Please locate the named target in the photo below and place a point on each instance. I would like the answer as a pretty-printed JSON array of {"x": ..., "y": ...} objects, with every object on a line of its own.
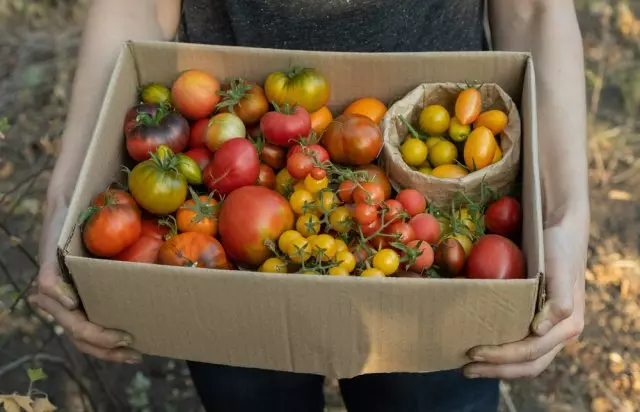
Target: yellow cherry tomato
[
  {"x": 465, "y": 241},
  {"x": 341, "y": 246},
  {"x": 328, "y": 200},
  {"x": 299, "y": 185},
  {"x": 458, "y": 131},
  {"x": 313, "y": 185},
  {"x": 310, "y": 272},
  {"x": 449, "y": 172},
  {"x": 274, "y": 265},
  {"x": 308, "y": 224},
  {"x": 494, "y": 120},
  {"x": 466, "y": 219},
  {"x": 434, "y": 119},
  {"x": 338, "y": 271},
  {"x": 324, "y": 245},
  {"x": 425, "y": 170},
  {"x": 372, "y": 273},
  {"x": 298, "y": 199},
  {"x": 340, "y": 219},
  {"x": 299, "y": 250},
  {"x": 286, "y": 238},
  {"x": 284, "y": 182},
  {"x": 346, "y": 260},
  {"x": 443, "y": 153},
  {"x": 386, "y": 260},
  {"x": 414, "y": 151},
  {"x": 431, "y": 141}
]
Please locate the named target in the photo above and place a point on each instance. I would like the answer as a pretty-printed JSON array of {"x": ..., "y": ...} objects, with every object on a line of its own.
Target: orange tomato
[
  {"x": 497, "y": 156},
  {"x": 371, "y": 107},
  {"x": 468, "y": 105},
  {"x": 320, "y": 119},
  {"x": 494, "y": 120},
  {"x": 449, "y": 172},
  {"x": 480, "y": 148},
  {"x": 198, "y": 216}
]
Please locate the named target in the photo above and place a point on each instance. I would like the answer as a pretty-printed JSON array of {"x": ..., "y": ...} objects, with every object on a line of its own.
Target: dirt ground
[{"x": 38, "y": 47}]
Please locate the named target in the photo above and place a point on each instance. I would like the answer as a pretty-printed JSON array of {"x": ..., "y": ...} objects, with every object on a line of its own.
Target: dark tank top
[{"x": 337, "y": 25}]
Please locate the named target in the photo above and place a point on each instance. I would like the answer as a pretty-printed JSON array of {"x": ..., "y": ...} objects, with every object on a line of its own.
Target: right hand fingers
[{"x": 107, "y": 344}]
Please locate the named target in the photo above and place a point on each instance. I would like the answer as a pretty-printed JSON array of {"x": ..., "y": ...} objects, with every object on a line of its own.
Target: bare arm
[
  {"x": 109, "y": 24},
  {"x": 549, "y": 30}
]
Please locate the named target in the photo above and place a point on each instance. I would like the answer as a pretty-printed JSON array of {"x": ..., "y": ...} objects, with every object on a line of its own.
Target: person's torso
[{"x": 337, "y": 25}]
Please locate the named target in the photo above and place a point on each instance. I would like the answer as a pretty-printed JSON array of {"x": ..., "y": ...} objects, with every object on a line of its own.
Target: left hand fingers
[{"x": 512, "y": 370}]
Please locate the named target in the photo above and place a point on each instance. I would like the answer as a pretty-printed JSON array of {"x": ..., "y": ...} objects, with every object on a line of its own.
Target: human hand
[
  {"x": 59, "y": 299},
  {"x": 560, "y": 320}
]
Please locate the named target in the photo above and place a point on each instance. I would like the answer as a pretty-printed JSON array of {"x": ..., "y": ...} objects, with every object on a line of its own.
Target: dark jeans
[{"x": 232, "y": 389}]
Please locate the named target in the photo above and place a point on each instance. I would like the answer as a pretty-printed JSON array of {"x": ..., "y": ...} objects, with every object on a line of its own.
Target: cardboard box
[{"x": 338, "y": 327}]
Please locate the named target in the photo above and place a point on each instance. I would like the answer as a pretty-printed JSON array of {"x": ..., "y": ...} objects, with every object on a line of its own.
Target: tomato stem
[
  {"x": 412, "y": 131},
  {"x": 235, "y": 91}
]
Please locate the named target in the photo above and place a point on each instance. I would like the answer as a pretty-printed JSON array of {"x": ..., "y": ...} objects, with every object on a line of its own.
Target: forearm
[{"x": 549, "y": 30}]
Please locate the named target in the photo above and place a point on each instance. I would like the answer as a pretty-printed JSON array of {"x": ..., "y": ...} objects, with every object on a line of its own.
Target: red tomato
[
  {"x": 424, "y": 255},
  {"x": 393, "y": 209},
  {"x": 283, "y": 129},
  {"x": 450, "y": 257},
  {"x": 300, "y": 165},
  {"x": 377, "y": 175},
  {"x": 223, "y": 127},
  {"x": 402, "y": 232},
  {"x": 495, "y": 257},
  {"x": 504, "y": 217},
  {"x": 195, "y": 94},
  {"x": 412, "y": 201},
  {"x": 115, "y": 196},
  {"x": 360, "y": 253},
  {"x": 365, "y": 214},
  {"x": 345, "y": 191},
  {"x": 143, "y": 250},
  {"x": 198, "y": 136},
  {"x": 235, "y": 164},
  {"x": 352, "y": 139},
  {"x": 193, "y": 249},
  {"x": 266, "y": 177},
  {"x": 316, "y": 151},
  {"x": 151, "y": 227},
  {"x": 371, "y": 193},
  {"x": 426, "y": 227},
  {"x": 371, "y": 228},
  {"x": 201, "y": 155},
  {"x": 318, "y": 173},
  {"x": 273, "y": 156},
  {"x": 249, "y": 217},
  {"x": 148, "y": 126}
]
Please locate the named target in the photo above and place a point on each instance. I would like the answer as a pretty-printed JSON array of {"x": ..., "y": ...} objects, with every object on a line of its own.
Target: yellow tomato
[
  {"x": 431, "y": 141},
  {"x": 308, "y": 224},
  {"x": 298, "y": 199},
  {"x": 498, "y": 156},
  {"x": 434, "y": 119},
  {"x": 284, "y": 182},
  {"x": 341, "y": 246},
  {"x": 299, "y": 185},
  {"x": 274, "y": 265},
  {"x": 370, "y": 107},
  {"x": 324, "y": 245},
  {"x": 425, "y": 170},
  {"x": 414, "y": 151},
  {"x": 372, "y": 273},
  {"x": 328, "y": 200},
  {"x": 299, "y": 250},
  {"x": 443, "y": 153},
  {"x": 494, "y": 120},
  {"x": 465, "y": 241},
  {"x": 449, "y": 172},
  {"x": 313, "y": 185},
  {"x": 286, "y": 238},
  {"x": 338, "y": 271},
  {"x": 340, "y": 219},
  {"x": 458, "y": 131},
  {"x": 346, "y": 260},
  {"x": 466, "y": 219},
  {"x": 480, "y": 148},
  {"x": 387, "y": 261}
]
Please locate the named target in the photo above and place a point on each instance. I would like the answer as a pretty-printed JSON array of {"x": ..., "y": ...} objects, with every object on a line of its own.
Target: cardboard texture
[
  {"x": 499, "y": 176},
  {"x": 338, "y": 327}
]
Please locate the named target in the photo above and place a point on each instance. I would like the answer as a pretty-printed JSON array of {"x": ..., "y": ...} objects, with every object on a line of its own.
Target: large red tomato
[
  {"x": 193, "y": 249},
  {"x": 249, "y": 217},
  {"x": 504, "y": 217},
  {"x": 285, "y": 128},
  {"x": 495, "y": 257},
  {"x": 352, "y": 139},
  {"x": 235, "y": 164},
  {"x": 198, "y": 135},
  {"x": 201, "y": 155},
  {"x": 195, "y": 94}
]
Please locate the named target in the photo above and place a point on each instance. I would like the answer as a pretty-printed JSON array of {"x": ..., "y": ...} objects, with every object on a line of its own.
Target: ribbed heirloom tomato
[
  {"x": 244, "y": 99},
  {"x": 193, "y": 249},
  {"x": 352, "y": 139},
  {"x": 305, "y": 87},
  {"x": 249, "y": 217}
]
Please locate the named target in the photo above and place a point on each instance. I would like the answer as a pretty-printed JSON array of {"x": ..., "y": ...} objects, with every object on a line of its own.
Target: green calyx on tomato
[
  {"x": 244, "y": 99},
  {"x": 299, "y": 86}
]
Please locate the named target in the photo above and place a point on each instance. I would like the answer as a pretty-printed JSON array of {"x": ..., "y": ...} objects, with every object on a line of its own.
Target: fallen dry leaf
[
  {"x": 16, "y": 403},
  {"x": 43, "y": 405}
]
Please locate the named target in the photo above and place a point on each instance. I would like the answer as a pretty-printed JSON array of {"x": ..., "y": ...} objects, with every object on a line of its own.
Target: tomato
[
  {"x": 412, "y": 201},
  {"x": 340, "y": 219},
  {"x": 249, "y": 217},
  {"x": 497, "y": 156},
  {"x": 431, "y": 141},
  {"x": 425, "y": 170},
  {"x": 375, "y": 174},
  {"x": 341, "y": 246},
  {"x": 305, "y": 87},
  {"x": 273, "y": 156},
  {"x": 346, "y": 260},
  {"x": 327, "y": 201},
  {"x": 480, "y": 148},
  {"x": 407, "y": 274},
  {"x": 224, "y": 127},
  {"x": 152, "y": 227},
  {"x": 425, "y": 227},
  {"x": 189, "y": 168},
  {"x": 387, "y": 261},
  {"x": 146, "y": 127},
  {"x": 401, "y": 231},
  {"x": 300, "y": 165},
  {"x": 320, "y": 119},
  {"x": 273, "y": 265},
  {"x": 195, "y": 94},
  {"x": 308, "y": 224},
  {"x": 464, "y": 240},
  {"x": 193, "y": 249},
  {"x": 449, "y": 172},
  {"x": 450, "y": 257},
  {"x": 313, "y": 185},
  {"x": 423, "y": 256},
  {"x": 434, "y": 120},
  {"x": 157, "y": 186},
  {"x": 345, "y": 191},
  {"x": 318, "y": 173},
  {"x": 111, "y": 224},
  {"x": 371, "y": 107},
  {"x": 371, "y": 228},
  {"x": 266, "y": 177},
  {"x": 287, "y": 127},
  {"x": 361, "y": 253},
  {"x": 299, "y": 199},
  {"x": 495, "y": 257},
  {"x": 393, "y": 209},
  {"x": 465, "y": 217},
  {"x": 364, "y": 214},
  {"x": 201, "y": 155},
  {"x": 199, "y": 214},
  {"x": 324, "y": 245},
  {"x": 318, "y": 153},
  {"x": 352, "y": 139},
  {"x": 284, "y": 182},
  {"x": 414, "y": 151},
  {"x": 143, "y": 250},
  {"x": 198, "y": 135},
  {"x": 370, "y": 193},
  {"x": 468, "y": 105},
  {"x": 442, "y": 153},
  {"x": 299, "y": 250},
  {"x": 338, "y": 271},
  {"x": 244, "y": 99},
  {"x": 494, "y": 120},
  {"x": 372, "y": 273},
  {"x": 504, "y": 217},
  {"x": 458, "y": 131},
  {"x": 285, "y": 239},
  {"x": 235, "y": 164},
  {"x": 155, "y": 93}
]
